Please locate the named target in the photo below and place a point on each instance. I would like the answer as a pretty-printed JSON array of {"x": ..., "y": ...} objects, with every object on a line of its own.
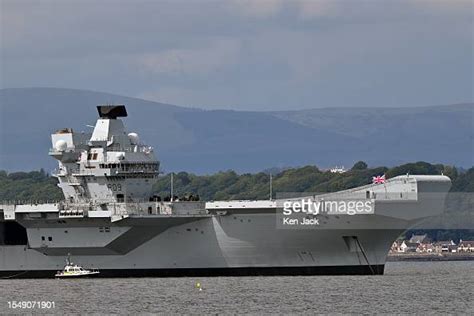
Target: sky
[{"x": 245, "y": 55}]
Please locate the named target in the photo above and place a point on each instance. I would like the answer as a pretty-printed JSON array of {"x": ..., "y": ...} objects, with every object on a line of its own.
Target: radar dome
[
  {"x": 134, "y": 139},
  {"x": 60, "y": 145}
]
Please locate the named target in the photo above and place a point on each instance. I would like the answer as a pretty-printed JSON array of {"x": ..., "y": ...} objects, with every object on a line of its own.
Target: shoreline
[{"x": 430, "y": 257}]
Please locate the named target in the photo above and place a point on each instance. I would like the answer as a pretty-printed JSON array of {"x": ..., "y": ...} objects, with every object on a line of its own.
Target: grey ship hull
[
  {"x": 224, "y": 241},
  {"x": 107, "y": 220},
  {"x": 211, "y": 247},
  {"x": 236, "y": 242}
]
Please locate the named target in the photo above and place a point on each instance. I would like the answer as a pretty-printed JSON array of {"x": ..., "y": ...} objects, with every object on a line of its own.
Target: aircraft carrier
[{"x": 110, "y": 220}]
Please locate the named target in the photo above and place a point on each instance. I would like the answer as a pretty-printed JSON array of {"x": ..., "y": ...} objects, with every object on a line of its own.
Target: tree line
[{"x": 227, "y": 185}]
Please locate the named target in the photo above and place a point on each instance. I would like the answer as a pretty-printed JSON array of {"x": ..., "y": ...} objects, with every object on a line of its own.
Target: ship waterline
[{"x": 110, "y": 220}]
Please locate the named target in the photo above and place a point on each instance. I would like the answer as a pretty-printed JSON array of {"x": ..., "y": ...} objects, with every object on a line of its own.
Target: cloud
[
  {"x": 305, "y": 9},
  {"x": 256, "y": 8},
  {"x": 308, "y": 9},
  {"x": 247, "y": 54},
  {"x": 200, "y": 61}
]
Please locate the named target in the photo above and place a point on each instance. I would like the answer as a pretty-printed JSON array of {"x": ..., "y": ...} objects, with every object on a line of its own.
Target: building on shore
[
  {"x": 423, "y": 244},
  {"x": 444, "y": 246},
  {"x": 337, "y": 169},
  {"x": 407, "y": 246},
  {"x": 465, "y": 246}
]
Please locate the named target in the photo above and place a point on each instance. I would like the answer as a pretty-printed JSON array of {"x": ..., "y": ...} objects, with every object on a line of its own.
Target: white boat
[{"x": 72, "y": 270}]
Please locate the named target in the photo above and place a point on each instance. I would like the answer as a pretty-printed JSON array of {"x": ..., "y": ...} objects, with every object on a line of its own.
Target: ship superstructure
[
  {"x": 106, "y": 166},
  {"x": 110, "y": 220}
]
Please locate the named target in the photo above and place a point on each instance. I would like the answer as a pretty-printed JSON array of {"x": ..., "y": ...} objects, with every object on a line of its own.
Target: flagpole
[
  {"x": 271, "y": 186},
  {"x": 172, "y": 189}
]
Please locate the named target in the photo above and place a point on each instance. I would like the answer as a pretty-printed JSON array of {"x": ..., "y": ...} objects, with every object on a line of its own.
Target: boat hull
[
  {"x": 212, "y": 247},
  {"x": 232, "y": 243}
]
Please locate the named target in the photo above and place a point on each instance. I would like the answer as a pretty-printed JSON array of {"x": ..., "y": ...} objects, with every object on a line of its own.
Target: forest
[{"x": 39, "y": 186}]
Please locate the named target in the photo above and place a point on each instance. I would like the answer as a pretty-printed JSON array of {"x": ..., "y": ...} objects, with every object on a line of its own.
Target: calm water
[{"x": 407, "y": 287}]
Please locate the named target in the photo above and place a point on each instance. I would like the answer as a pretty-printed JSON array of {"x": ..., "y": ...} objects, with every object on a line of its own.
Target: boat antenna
[
  {"x": 271, "y": 186},
  {"x": 172, "y": 189}
]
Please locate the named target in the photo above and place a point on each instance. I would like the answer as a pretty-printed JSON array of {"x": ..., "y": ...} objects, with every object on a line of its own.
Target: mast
[
  {"x": 172, "y": 189},
  {"x": 271, "y": 186}
]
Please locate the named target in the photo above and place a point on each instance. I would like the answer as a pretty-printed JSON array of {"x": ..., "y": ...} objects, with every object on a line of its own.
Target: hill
[{"x": 203, "y": 141}]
